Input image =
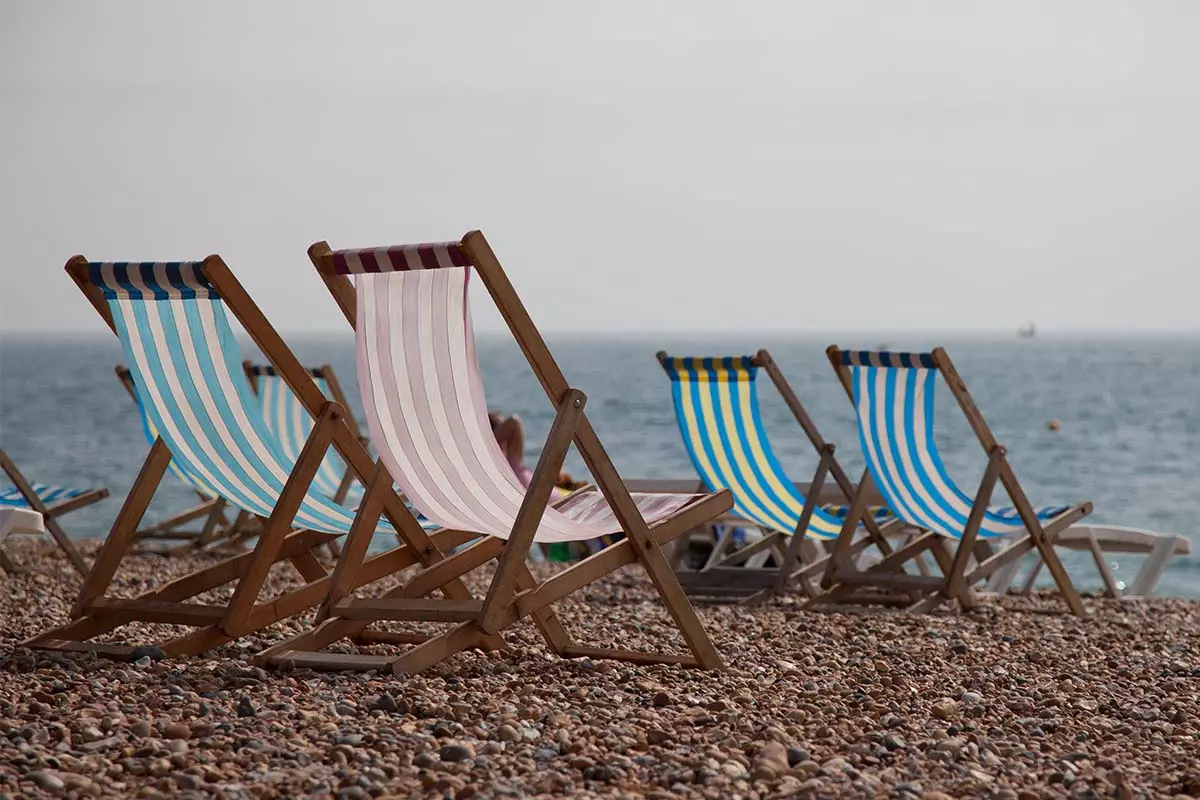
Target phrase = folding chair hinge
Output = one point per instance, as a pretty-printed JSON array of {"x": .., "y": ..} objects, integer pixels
[
  {"x": 828, "y": 448},
  {"x": 572, "y": 397},
  {"x": 332, "y": 411}
]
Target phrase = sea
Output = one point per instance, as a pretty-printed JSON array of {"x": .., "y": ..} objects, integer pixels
[{"x": 1110, "y": 419}]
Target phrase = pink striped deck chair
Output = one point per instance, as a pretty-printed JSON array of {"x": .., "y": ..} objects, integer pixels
[{"x": 426, "y": 414}]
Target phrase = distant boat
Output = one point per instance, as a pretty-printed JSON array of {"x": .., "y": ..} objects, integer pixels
[{"x": 1028, "y": 332}]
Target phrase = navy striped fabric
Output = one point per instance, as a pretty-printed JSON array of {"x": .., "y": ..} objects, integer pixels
[
  {"x": 895, "y": 414},
  {"x": 883, "y": 358},
  {"x": 185, "y": 361},
  {"x": 11, "y": 495}
]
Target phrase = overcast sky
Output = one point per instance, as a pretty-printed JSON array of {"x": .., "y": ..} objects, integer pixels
[{"x": 638, "y": 166}]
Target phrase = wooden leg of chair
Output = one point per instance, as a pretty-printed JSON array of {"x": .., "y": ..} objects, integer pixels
[
  {"x": 366, "y": 519},
  {"x": 124, "y": 529},
  {"x": 545, "y": 619},
  {"x": 308, "y": 565},
  {"x": 533, "y": 507},
  {"x": 464, "y": 636},
  {"x": 841, "y": 548},
  {"x": 1042, "y": 537},
  {"x": 266, "y": 552},
  {"x": 956, "y": 586},
  {"x": 48, "y": 515},
  {"x": 211, "y": 528},
  {"x": 798, "y": 535}
]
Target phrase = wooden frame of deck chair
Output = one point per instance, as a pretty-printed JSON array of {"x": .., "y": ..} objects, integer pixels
[
  {"x": 170, "y": 318},
  {"x": 49, "y": 501},
  {"x": 427, "y": 417},
  {"x": 215, "y": 526},
  {"x": 893, "y": 396},
  {"x": 717, "y": 409}
]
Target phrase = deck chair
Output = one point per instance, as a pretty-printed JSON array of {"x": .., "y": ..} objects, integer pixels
[
  {"x": 170, "y": 319},
  {"x": 210, "y": 512},
  {"x": 717, "y": 409},
  {"x": 426, "y": 414},
  {"x": 49, "y": 501},
  {"x": 893, "y": 396},
  {"x": 291, "y": 424}
]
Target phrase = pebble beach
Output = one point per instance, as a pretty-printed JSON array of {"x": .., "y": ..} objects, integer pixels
[{"x": 1015, "y": 699}]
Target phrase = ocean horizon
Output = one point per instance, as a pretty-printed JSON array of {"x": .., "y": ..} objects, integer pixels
[{"x": 1127, "y": 427}]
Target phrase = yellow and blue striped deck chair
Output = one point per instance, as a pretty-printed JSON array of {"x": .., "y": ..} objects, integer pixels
[{"x": 717, "y": 409}]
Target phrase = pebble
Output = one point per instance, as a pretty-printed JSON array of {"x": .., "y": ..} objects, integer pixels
[
  {"x": 245, "y": 708},
  {"x": 47, "y": 780},
  {"x": 458, "y": 752},
  {"x": 177, "y": 730},
  {"x": 811, "y": 705},
  {"x": 386, "y": 702},
  {"x": 944, "y": 708}
]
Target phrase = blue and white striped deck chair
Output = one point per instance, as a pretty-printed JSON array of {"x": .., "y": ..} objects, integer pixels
[
  {"x": 211, "y": 509},
  {"x": 717, "y": 409},
  {"x": 50, "y": 502},
  {"x": 170, "y": 319},
  {"x": 291, "y": 423},
  {"x": 893, "y": 396}
]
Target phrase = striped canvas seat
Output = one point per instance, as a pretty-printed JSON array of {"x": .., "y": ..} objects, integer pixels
[
  {"x": 893, "y": 402},
  {"x": 175, "y": 467},
  {"x": 11, "y": 495},
  {"x": 291, "y": 424},
  {"x": 424, "y": 400},
  {"x": 716, "y": 406},
  {"x": 183, "y": 357}
]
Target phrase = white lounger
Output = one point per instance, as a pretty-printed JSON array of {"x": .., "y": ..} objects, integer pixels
[
  {"x": 1102, "y": 540},
  {"x": 21, "y": 521}
]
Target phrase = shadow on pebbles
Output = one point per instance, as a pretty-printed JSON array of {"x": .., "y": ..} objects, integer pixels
[{"x": 1013, "y": 700}]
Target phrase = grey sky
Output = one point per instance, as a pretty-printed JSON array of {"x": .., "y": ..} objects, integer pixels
[{"x": 637, "y": 165}]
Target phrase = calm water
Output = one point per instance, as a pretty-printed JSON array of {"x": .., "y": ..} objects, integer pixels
[{"x": 1128, "y": 411}]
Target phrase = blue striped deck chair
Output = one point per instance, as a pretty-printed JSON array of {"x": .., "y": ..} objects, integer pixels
[
  {"x": 49, "y": 501},
  {"x": 180, "y": 347},
  {"x": 717, "y": 409},
  {"x": 214, "y": 528},
  {"x": 291, "y": 424},
  {"x": 893, "y": 397}
]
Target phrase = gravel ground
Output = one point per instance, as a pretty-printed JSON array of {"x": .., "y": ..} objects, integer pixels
[{"x": 1014, "y": 700}]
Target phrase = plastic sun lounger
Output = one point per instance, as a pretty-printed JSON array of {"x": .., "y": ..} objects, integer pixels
[
  {"x": 49, "y": 501},
  {"x": 1102, "y": 541},
  {"x": 717, "y": 410},
  {"x": 427, "y": 416},
  {"x": 210, "y": 424},
  {"x": 893, "y": 395},
  {"x": 20, "y": 521}
]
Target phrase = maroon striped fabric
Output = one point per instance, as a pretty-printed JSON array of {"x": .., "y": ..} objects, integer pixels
[
  {"x": 435, "y": 255},
  {"x": 425, "y": 408}
]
